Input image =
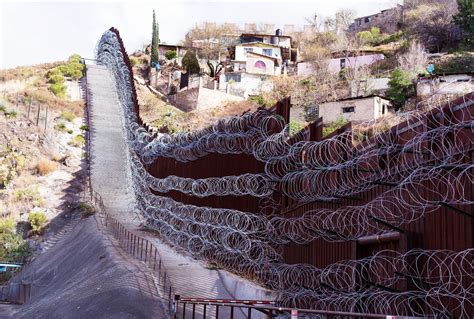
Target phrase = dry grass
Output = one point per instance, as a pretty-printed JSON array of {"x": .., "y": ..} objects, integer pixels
[{"x": 46, "y": 166}]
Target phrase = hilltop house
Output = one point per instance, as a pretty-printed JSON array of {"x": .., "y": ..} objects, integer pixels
[
  {"x": 355, "y": 109},
  {"x": 256, "y": 58},
  {"x": 388, "y": 21},
  {"x": 445, "y": 85},
  {"x": 343, "y": 59}
]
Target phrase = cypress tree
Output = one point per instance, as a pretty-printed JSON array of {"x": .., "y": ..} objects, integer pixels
[{"x": 155, "y": 40}]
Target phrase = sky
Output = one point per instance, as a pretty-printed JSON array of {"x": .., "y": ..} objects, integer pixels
[{"x": 33, "y": 32}]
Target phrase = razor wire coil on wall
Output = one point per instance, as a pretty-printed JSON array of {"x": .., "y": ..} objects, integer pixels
[{"x": 425, "y": 161}]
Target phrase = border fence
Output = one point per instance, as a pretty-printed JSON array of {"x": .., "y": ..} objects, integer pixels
[{"x": 381, "y": 226}]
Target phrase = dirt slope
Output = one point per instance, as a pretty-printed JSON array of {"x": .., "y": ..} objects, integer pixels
[{"x": 85, "y": 276}]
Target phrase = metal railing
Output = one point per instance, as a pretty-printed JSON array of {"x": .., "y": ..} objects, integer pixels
[{"x": 253, "y": 307}]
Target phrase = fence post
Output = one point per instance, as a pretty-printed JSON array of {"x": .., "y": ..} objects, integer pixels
[{"x": 38, "y": 114}]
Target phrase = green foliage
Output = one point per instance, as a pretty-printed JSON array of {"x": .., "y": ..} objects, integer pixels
[
  {"x": 60, "y": 127},
  {"x": 67, "y": 115},
  {"x": 58, "y": 89},
  {"x": 29, "y": 194},
  {"x": 155, "y": 41},
  {"x": 13, "y": 248},
  {"x": 170, "y": 55},
  {"x": 77, "y": 141},
  {"x": 37, "y": 221},
  {"x": 134, "y": 60},
  {"x": 372, "y": 36},
  {"x": 11, "y": 165},
  {"x": 73, "y": 69},
  {"x": 70, "y": 131},
  {"x": 7, "y": 225},
  {"x": 332, "y": 126},
  {"x": 400, "y": 87},
  {"x": 260, "y": 100},
  {"x": 191, "y": 63},
  {"x": 389, "y": 38},
  {"x": 84, "y": 127},
  {"x": 87, "y": 210},
  {"x": 294, "y": 127},
  {"x": 465, "y": 18}
]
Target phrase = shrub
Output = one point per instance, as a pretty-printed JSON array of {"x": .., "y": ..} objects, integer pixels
[
  {"x": 191, "y": 63},
  {"x": 84, "y": 127},
  {"x": 400, "y": 87},
  {"x": 370, "y": 37},
  {"x": 58, "y": 89},
  {"x": 70, "y": 131},
  {"x": 67, "y": 115},
  {"x": 13, "y": 248},
  {"x": 87, "y": 210},
  {"x": 60, "y": 127},
  {"x": 37, "y": 221},
  {"x": 77, "y": 141},
  {"x": 45, "y": 166},
  {"x": 260, "y": 100},
  {"x": 170, "y": 55},
  {"x": 294, "y": 127},
  {"x": 337, "y": 124},
  {"x": 7, "y": 225},
  {"x": 134, "y": 60},
  {"x": 30, "y": 194}
]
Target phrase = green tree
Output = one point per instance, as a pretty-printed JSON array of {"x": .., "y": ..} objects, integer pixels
[
  {"x": 400, "y": 87},
  {"x": 170, "y": 55},
  {"x": 465, "y": 18},
  {"x": 191, "y": 63},
  {"x": 155, "y": 41}
]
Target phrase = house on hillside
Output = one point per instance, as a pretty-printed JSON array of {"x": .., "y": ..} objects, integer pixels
[
  {"x": 255, "y": 59},
  {"x": 388, "y": 21},
  {"x": 179, "y": 49},
  {"x": 355, "y": 109},
  {"x": 444, "y": 85},
  {"x": 343, "y": 59}
]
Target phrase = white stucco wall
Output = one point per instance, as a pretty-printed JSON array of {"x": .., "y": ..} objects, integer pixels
[
  {"x": 305, "y": 68},
  {"x": 250, "y": 84},
  {"x": 364, "y": 109},
  {"x": 241, "y": 55}
]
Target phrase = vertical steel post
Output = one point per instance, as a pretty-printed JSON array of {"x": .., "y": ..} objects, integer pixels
[
  {"x": 194, "y": 310},
  {"x": 249, "y": 313},
  {"x": 231, "y": 312},
  {"x": 217, "y": 311},
  {"x": 204, "y": 311}
]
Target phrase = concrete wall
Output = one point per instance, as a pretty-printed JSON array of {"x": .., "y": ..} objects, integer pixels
[
  {"x": 456, "y": 84},
  {"x": 364, "y": 109},
  {"x": 270, "y": 68},
  {"x": 209, "y": 99},
  {"x": 306, "y": 68},
  {"x": 250, "y": 84},
  {"x": 241, "y": 55}
]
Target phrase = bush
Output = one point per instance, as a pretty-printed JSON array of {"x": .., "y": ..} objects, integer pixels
[
  {"x": 400, "y": 87},
  {"x": 337, "y": 124},
  {"x": 134, "y": 60},
  {"x": 30, "y": 194},
  {"x": 87, "y": 210},
  {"x": 13, "y": 248},
  {"x": 67, "y": 115},
  {"x": 58, "y": 89},
  {"x": 191, "y": 63},
  {"x": 84, "y": 127},
  {"x": 294, "y": 127},
  {"x": 60, "y": 127},
  {"x": 370, "y": 37},
  {"x": 77, "y": 141},
  {"x": 37, "y": 221},
  {"x": 170, "y": 55},
  {"x": 7, "y": 225},
  {"x": 45, "y": 166},
  {"x": 260, "y": 100}
]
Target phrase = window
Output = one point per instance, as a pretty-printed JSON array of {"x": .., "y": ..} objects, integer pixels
[
  {"x": 348, "y": 109},
  {"x": 343, "y": 64},
  {"x": 383, "y": 109},
  {"x": 260, "y": 65},
  {"x": 233, "y": 77},
  {"x": 267, "y": 52},
  {"x": 247, "y": 50}
]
